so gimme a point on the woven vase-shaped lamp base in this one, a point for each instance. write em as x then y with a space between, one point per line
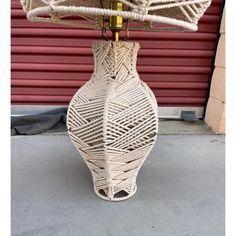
112 120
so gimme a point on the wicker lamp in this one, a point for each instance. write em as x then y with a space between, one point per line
112 120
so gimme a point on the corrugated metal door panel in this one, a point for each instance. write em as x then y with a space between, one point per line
89 60
50 62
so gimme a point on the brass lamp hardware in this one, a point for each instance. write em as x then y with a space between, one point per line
116 22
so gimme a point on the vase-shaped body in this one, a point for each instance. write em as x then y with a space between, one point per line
112 120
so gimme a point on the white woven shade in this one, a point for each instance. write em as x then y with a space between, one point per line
154 15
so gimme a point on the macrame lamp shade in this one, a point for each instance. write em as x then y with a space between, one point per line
112 120
144 14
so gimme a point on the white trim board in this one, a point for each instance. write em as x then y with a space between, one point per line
175 112
163 112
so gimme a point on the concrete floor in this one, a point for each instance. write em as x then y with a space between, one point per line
180 190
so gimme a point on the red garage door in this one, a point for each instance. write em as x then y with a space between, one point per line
50 62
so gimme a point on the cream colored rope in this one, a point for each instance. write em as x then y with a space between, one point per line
181 13
112 120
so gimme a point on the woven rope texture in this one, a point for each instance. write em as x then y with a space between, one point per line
112 120
144 14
